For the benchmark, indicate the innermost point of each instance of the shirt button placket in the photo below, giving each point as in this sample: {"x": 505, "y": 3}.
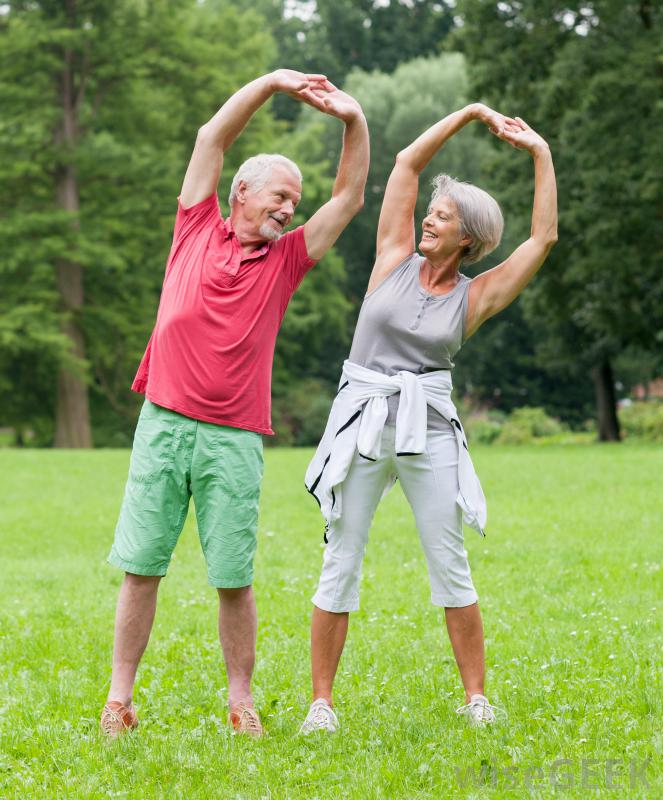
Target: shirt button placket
{"x": 417, "y": 319}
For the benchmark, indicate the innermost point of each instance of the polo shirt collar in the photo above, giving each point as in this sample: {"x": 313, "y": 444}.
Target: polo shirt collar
{"x": 229, "y": 233}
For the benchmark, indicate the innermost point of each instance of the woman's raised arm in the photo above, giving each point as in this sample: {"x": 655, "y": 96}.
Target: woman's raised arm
{"x": 493, "y": 290}
{"x": 396, "y": 236}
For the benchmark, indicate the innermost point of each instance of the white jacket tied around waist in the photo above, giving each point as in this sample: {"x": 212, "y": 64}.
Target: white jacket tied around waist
{"x": 356, "y": 421}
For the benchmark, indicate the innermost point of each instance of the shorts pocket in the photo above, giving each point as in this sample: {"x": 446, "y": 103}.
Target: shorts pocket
{"x": 237, "y": 463}
{"x": 152, "y": 452}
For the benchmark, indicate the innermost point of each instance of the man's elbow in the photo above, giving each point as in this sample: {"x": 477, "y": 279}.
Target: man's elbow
{"x": 208, "y": 138}
{"x": 358, "y": 204}
{"x": 350, "y": 203}
{"x": 546, "y": 240}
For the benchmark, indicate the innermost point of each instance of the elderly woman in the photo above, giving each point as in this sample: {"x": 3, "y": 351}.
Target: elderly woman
{"x": 393, "y": 416}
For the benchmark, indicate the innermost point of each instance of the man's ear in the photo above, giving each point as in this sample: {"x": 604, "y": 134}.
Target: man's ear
{"x": 240, "y": 194}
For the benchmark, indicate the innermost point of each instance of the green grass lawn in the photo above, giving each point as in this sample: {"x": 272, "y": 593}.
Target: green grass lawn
{"x": 571, "y": 588}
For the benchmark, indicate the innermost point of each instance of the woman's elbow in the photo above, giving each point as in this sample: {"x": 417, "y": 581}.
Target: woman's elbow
{"x": 403, "y": 159}
{"x": 203, "y": 133}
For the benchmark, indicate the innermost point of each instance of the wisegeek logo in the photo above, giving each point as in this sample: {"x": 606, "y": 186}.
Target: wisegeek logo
{"x": 563, "y": 773}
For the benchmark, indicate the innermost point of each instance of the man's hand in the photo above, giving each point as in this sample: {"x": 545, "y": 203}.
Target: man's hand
{"x": 316, "y": 91}
{"x": 325, "y": 226}
{"x": 307, "y": 88}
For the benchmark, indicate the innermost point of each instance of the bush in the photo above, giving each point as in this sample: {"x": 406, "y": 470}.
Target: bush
{"x": 483, "y": 428}
{"x": 525, "y": 424}
{"x": 300, "y": 415}
{"x": 643, "y": 420}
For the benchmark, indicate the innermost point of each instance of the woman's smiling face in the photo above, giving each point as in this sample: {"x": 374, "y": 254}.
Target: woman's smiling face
{"x": 442, "y": 230}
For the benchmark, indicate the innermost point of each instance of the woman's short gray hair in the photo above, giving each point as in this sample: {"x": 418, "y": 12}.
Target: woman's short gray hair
{"x": 480, "y": 215}
{"x": 256, "y": 171}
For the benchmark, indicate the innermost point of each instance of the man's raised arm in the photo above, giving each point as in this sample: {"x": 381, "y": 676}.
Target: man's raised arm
{"x": 216, "y": 136}
{"x": 326, "y": 225}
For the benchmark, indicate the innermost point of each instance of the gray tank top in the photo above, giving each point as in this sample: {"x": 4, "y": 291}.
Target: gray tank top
{"x": 403, "y": 327}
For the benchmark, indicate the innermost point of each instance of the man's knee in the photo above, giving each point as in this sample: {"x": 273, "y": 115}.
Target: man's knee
{"x": 235, "y": 593}
{"x": 141, "y": 582}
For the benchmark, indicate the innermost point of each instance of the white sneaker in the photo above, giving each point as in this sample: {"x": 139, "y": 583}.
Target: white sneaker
{"x": 479, "y": 712}
{"x": 320, "y": 717}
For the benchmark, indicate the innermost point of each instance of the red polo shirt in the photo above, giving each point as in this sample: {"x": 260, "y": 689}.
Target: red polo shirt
{"x": 211, "y": 351}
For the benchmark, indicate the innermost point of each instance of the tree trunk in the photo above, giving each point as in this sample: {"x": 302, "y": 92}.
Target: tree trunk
{"x": 72, "y": 414}
{"x": 606, "y": 402}
{"x": 645, "y": 11}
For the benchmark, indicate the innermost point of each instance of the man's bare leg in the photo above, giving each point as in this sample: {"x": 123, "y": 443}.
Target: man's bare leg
{"x": 136, "y": 606}
{"x": 238, "y": 624}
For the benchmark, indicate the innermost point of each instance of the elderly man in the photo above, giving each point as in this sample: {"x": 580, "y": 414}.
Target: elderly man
{"x": 206, "y": 376}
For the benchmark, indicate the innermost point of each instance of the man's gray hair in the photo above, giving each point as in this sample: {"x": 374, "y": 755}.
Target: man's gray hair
{"x": 480, "y": 215}
{"x": 256, "y": 171}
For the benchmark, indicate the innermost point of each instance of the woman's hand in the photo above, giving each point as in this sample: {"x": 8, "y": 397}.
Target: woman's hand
{"x": 519, "y": 134}
{"x": 337, "y": 103}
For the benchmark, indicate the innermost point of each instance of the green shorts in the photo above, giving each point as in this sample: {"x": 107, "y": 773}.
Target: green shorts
{"x": 173, "y": 458}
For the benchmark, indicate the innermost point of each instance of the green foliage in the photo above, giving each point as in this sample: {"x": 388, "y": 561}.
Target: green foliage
{"x": 642, "y": 421}
{"x": 337, "y": 36}
{"x": 147, "y": 75}
{"x": 499, "y": 368}
{"x": 587, "y": 76}
{"x": 525, "y": 424}
{"x": 299, "y": 415}
{"x": 483, "y": 427}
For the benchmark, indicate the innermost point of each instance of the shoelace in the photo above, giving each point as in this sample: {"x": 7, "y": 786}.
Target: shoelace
{"x": 248, "y": 721}
{"x": 113, "y": 716}
{"x": 483, "y": 707}
{"x": 320, "y": 716}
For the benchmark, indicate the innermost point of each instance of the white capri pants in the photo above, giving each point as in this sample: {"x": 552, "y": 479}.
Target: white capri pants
{"x": 430, "y": 483}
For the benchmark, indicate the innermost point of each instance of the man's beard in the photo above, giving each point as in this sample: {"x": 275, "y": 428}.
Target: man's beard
{"x": 269, "y": 232}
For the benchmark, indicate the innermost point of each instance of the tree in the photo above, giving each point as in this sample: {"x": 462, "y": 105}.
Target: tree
{"x": 101, "y": 103}
{"x": 588, "y": 76}
{"x": 336, "y": 36}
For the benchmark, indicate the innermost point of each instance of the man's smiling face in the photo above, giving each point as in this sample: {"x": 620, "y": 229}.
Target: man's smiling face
{"x": 268, "y": 211}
